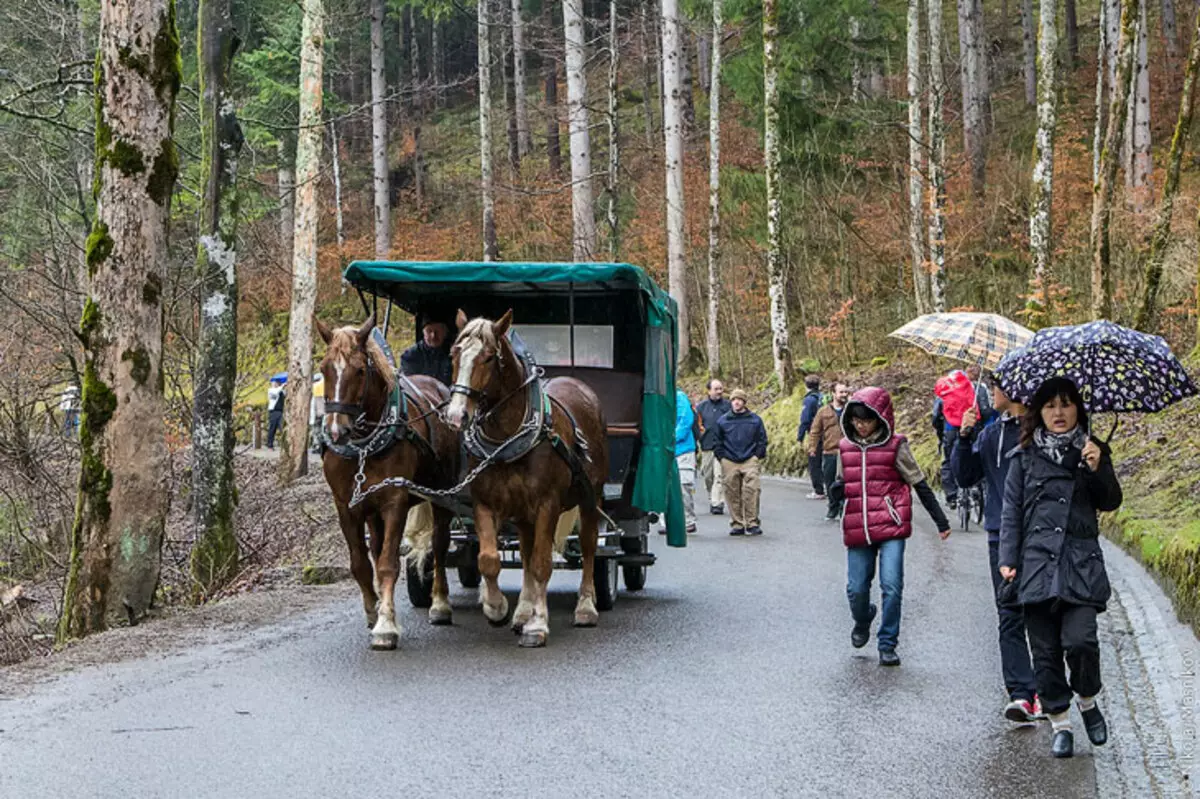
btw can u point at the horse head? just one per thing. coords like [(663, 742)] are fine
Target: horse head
[(479, 353), (357, 376)]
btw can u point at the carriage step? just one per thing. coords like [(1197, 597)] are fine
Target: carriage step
[(639, 559)]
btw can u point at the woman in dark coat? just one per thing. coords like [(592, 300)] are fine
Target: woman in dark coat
[(1058, 482)]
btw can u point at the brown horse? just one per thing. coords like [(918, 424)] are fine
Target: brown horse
[(493, 396), (359, 385)]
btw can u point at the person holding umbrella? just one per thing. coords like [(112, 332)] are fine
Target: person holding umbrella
[(276, 395)]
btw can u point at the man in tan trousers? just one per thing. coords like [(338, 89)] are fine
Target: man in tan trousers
[(741, 446)]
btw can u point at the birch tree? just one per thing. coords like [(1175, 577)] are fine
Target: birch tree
[(1142, 162), (506, 91), (379, 134), (418, 112), (937, 162), (583, 212), (713, 339), (293, 461), (777, 285), (1040, 241), (491, 247), (916, 152), (1101, 52), (1029, 52), (524, 138), (117, 536), (673, 132), (614, 157), (215, 554), (1102, 192), (1161, 238)]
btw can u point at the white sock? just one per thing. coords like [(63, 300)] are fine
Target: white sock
[(1061, 721), (1086, 703)]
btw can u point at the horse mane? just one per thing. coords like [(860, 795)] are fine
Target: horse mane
[(345, 343)]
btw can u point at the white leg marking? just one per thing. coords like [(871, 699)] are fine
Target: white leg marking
[(525, 602), (495, 604)]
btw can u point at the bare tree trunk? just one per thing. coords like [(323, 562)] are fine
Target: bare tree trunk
[(776, 275), (1112, 24), (1143, 162), (614, 157), (583, 212), (648, 81), (506, 90), (335, 150), (286, 187), (379, 134), (916, 151), (1147, 313), (1101, 52), (1168, 29), (1029, 52), (937, 162), (418, 113), (1131, 113), (491, 247), (553, 145), (215, 554), (1102, 193), (974, 89), (858, 68), (293, 461), (704, 61), (1040, 235), (524, 139), (713, 339), (673, 133), (1072, 26), (685, 77), (437, 59), (120, 512)]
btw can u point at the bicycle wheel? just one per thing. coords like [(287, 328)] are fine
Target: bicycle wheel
[(978, 502), (964, 510)]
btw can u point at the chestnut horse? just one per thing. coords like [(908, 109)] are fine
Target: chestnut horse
[(359, 386), (559, 467)]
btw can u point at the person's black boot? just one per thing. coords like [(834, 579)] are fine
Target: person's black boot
[(1064, 744), (1096, 726), (861, 634), (888, 657)]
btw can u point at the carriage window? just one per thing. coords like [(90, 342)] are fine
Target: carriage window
[(658, 361), (551, 344)]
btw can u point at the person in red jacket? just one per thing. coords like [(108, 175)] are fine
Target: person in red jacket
[(877, 473)]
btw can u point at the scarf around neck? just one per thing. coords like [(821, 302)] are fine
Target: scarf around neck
[(1057, 445)]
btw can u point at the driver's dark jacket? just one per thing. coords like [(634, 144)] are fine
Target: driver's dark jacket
[(1049, 529), (421, 359)]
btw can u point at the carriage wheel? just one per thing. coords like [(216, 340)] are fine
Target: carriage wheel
[(606, 580), (420, 586), (468, 575), (635, 576)]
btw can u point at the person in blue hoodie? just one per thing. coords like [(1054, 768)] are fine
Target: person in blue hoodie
[(741, 446), (984, 453), (685, 455)]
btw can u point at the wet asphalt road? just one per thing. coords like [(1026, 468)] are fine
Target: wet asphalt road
[(730, 675)]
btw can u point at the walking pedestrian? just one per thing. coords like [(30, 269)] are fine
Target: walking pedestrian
[(685, 455), (878, 474), (824, 439), (985, 453), (1059, 480), (710, 409), (741, 445), (945, 439), (275, 399), (69, 404), (316, 412), (808, 412)]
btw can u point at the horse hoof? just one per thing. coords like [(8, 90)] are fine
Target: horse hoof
[(533, 640), (384, 642), (440, 617), (583, 619), (518, 627), (500, 622)]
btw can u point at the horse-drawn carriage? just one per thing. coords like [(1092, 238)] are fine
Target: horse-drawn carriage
[(606, 325)]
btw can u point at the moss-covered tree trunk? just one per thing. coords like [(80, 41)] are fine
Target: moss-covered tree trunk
[(937, 162), (293, 461), (215, 555), (1041, 243), (1102, 191), (117, 536), (1162, 226), (776, 276)]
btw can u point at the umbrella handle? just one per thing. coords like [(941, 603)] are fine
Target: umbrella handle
[(1116, 419)]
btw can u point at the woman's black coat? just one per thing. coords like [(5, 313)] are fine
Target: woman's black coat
[(1049, 530)]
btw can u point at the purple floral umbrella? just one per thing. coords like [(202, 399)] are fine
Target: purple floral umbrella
[(1116, 369)]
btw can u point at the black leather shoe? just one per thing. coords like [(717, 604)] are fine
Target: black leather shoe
[(1096, 726), (755, 530), (888, 657), (860, 635), (1064, 744), (737, 531)]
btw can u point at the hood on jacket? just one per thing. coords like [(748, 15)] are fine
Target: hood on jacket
[(878, 402)]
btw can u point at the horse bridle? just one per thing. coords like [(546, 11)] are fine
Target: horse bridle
[(356, 410)]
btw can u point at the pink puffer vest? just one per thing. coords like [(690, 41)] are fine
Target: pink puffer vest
[(871, 473)]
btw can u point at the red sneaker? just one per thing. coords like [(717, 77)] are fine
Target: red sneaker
[(1022, 711)]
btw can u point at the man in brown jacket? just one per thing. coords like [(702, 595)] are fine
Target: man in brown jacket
[(823, 438)]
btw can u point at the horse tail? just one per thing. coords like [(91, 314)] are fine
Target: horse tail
[(418, 529)]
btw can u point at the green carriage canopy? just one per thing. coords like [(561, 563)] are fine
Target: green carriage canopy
[(413, 284)]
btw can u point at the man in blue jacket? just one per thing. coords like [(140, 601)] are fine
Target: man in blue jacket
[(984, 453), (709, 411), (685, 455), (808, 412), (741, 445)]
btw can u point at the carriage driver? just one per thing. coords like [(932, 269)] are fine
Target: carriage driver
[(431, 355)]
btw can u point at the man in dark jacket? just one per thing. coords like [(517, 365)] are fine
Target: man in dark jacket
[(824, 439), (707, 413), (430, 356), (984, 453), (741, 444), (808, 412)]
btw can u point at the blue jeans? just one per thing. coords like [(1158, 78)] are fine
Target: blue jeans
[(1014, 649), (860, 572)]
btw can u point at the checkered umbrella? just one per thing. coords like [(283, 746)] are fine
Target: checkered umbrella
[(978, 338)]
